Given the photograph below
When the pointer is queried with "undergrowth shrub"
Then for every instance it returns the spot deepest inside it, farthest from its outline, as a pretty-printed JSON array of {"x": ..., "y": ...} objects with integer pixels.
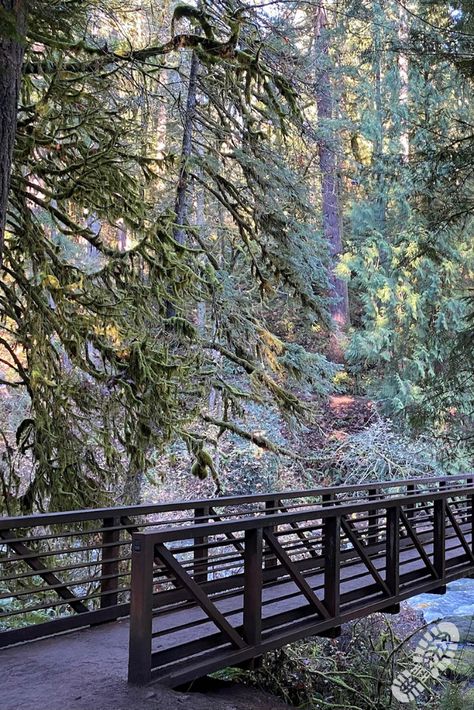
[
  {"x": 381, "y": 452},
  {"x": 354, "y": 672}
]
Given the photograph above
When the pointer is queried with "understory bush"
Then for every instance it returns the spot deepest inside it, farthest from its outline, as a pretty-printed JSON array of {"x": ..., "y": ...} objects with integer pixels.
[{"x": 354, "y": 672}]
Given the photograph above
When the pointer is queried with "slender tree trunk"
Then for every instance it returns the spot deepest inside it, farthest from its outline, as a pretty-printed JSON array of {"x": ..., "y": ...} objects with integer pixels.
[
  {"x": 379, "y": 139},
  {"x": 330, "y": 188},
  {"x": 11, "y": 58},
  {"x": 122, "y": 236},
  {"x": 200, "y": 221},
  {"x": 403, "y": 76},
  {"x": 181, "y": 204}
]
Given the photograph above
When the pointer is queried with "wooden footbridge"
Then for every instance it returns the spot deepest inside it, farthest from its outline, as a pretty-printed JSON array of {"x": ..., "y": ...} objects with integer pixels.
[{"x": 213, "y": 583}]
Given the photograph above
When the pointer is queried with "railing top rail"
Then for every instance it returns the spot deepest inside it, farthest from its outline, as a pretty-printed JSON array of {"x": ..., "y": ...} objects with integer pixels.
[
  {"x": 181, "y": 532},
  {"x": 74, "y": 516}
]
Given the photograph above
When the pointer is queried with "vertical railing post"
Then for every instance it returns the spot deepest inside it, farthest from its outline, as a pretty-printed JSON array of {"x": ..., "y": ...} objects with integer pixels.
[
  {"x": 332, "y": 564},
  {"x": 110, "y": 562},
  {"x": 271, "y": 507},
  {"x": 201, "y": 554},
  {"x": 253, "y": 584},
  {"x": 470, "y": 511},
  {"x": 411, "y": 508},
  {"x": 392, "y": 556},
  {"x": 373, "y": 520},
  {"x": 141, "y": 610},
  {"x": 439, "y": 537},
  {"x": 325, "y": 499}
]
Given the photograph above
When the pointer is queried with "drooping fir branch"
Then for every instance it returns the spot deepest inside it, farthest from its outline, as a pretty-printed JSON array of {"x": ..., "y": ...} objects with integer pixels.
[{"x": 261, "y": 441}]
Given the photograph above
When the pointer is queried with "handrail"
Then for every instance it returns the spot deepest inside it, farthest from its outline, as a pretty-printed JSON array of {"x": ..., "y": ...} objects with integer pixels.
[
  {"x": 41, "y": 519},
  {"x": 169, "y": 534},
  {"x": 46, "y": 559}
]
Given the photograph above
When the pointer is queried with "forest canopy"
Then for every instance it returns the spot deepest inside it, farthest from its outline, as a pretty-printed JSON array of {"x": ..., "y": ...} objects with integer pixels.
[{"x": 213, "y": 205}]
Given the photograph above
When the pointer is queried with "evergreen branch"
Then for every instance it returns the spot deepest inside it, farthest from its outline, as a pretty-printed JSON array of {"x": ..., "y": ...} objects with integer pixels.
[
  {"x": 222, "y": 50},
  {"x": 261, "y": 441}
]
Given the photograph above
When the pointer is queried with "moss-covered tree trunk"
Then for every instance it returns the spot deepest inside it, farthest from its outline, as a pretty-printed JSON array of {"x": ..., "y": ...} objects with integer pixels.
[
  {"x": 181, "y": 207},
  {"x": 12, "y": 29},
  {"x": 181, "y": 204}
]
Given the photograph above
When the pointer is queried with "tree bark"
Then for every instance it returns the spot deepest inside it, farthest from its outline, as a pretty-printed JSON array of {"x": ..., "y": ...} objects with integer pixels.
[
  {"x": 330, "y": 189},
  {"x": 380, "y": 198},
  {"x": 181, "y": 204},
  {"x": 404, "y": 83},
  {"x": 11, "y": 59}
]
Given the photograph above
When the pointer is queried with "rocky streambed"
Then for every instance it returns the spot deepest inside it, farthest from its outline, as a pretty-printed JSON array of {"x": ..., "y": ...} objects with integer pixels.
[{"x": 456, "y": 607}]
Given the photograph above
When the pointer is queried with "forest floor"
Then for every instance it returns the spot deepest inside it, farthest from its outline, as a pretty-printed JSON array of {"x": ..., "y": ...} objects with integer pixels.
[
  {"x": 245, "y": 468},
  {"x": 341, "y": 416}
]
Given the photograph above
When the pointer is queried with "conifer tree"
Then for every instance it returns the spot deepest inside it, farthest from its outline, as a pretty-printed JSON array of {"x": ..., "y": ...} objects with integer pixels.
[
  {"x": 329, "y": 157},
  {"x": 12, "y": 22},
  {"x": 109, "y": 373}
]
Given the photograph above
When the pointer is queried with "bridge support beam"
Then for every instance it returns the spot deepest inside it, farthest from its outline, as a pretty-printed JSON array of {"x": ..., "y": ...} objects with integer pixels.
[
  {"x": 393, "y": 550},
  {"x": 392, "y": 574},
  {"x": 332, "y": 571},
  {"x": 141, "y": 612},
  {"x": 253, "y": 585},
  {"x": 439, "y": 542}
]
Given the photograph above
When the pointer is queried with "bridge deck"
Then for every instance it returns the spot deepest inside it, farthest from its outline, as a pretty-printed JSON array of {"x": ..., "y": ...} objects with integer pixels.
[
  {"x": 214, "y": 583},
  {"x": 75, "y": 669},
  {"x": 285, "y": 613}
]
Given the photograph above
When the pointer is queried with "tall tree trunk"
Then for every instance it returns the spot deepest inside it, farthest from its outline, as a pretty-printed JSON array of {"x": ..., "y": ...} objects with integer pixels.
[
  {"x": 380, "y": 200},
  {"x": 330, "y": 187},
  {"x": 122, "y": 236},
  {"x": 13, "y": 19},
  {"x": 403, "y": 77},
  {"x": 181, "y": 204}
]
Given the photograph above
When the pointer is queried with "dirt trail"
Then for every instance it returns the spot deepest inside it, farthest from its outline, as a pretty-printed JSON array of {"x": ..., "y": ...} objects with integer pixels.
[{"x": 87, "y": 670}]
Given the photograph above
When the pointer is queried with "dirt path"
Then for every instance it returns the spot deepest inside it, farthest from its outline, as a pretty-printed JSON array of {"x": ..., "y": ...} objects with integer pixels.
[{"x": 86, "y": 670}]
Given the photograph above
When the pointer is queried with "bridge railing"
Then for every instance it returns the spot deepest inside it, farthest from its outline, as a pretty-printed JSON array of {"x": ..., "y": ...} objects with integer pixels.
[
  {"x": 60, "y": 571},
  {"x": 266, "y": 579}
]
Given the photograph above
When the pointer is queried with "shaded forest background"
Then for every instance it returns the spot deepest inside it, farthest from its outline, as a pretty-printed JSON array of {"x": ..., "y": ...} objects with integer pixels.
[{"x": 237, "y": 247}]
